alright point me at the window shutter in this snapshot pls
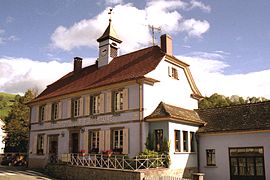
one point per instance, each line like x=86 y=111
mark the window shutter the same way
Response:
x=109 y=101
x=125 y=141
x=48 y=112
x=60 y=110
x=81 y=107
x=37 y=114
x=69 y=108
x=169 y=71
x=34 y=145
x=87 y=105
x=85 y=142
x=45 y=144
x=107 y=140
x=91 y=105
x=101 y=108
x=125 y=99
x=101 y=141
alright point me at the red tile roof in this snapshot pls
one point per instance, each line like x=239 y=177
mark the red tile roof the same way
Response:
x=179 y=114
x=123 y=68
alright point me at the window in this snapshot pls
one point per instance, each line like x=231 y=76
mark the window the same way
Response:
x=40 y=144
x=55 y=111
x=118 y=140
x=158 y=139
x=118 y=101
x=177 y=140
x=192 y=142
x=95 y=106
x=174 y=73
x=247 y=162
x=42 y=113
x=210 y=157
x=93 y=141
x=75 y=107
x=185 y=141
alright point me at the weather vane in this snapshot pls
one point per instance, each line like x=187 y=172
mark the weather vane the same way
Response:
x=110 y=15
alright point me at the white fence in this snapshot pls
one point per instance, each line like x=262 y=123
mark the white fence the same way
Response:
x=114 y=162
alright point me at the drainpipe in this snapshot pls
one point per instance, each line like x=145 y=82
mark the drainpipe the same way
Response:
x=140 y=111
x=198 y=150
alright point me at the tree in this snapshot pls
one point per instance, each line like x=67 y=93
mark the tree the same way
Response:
x=217 y=100
x=17 y=124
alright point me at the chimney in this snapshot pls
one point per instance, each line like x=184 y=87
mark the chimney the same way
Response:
x=77 y=64
x=166 y=44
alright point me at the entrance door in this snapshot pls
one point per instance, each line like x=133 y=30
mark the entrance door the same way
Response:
x=247 y=163
x=53 y=148
x=75 y=142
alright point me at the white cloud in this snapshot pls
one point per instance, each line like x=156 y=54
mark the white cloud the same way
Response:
x=112 y=2
x=131 y=25
x=200 y=5
x=20 y=74
x=4 y=38
x=195 y=28
x=210 y=78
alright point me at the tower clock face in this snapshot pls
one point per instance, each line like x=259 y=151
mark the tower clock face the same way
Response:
x=103 y=52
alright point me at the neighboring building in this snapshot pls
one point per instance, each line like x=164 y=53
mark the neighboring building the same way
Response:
x=2 y=135
x=115 y=103
x=234 y=143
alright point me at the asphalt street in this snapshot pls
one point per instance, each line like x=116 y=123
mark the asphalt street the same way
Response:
x=14 y=173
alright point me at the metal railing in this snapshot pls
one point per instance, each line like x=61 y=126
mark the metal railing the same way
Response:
x=114 y=162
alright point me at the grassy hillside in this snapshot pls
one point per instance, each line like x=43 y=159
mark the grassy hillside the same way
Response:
x=6 y=101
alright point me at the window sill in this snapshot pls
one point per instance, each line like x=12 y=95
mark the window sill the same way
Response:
x=209 y=166
x=185 y=153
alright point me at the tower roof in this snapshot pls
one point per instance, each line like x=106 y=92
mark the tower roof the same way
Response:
x=109 y=34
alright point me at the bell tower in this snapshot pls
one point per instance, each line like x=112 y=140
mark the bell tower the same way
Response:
x=108 y=45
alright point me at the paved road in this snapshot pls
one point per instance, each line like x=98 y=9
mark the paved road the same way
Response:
x=12 y=173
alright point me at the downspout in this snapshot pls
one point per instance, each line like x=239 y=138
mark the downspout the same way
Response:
x=140 y=112
x=198 y=151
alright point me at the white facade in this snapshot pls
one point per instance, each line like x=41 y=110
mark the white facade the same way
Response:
x=172 y=91
x=222 y=142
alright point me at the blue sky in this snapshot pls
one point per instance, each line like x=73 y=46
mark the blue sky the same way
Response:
x=224 y=41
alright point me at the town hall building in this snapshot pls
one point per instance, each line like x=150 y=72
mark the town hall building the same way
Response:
x=117 y=102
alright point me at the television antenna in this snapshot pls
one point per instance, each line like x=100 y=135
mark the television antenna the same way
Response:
x=154 y=29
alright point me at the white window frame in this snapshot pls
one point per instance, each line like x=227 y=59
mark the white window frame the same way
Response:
x=210 y=157
x=55 y=111
x=118 y=139
x=40 y=144
x=95 y=104
x=119 y=100
x=185 y=141
x=94 y=140
x=42 y=113
x=76 y=107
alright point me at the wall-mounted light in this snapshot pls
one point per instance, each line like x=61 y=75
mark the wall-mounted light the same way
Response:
x=82 y=130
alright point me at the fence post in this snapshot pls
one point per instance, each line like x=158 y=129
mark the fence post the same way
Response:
x=123 y=166
x=136 y=161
